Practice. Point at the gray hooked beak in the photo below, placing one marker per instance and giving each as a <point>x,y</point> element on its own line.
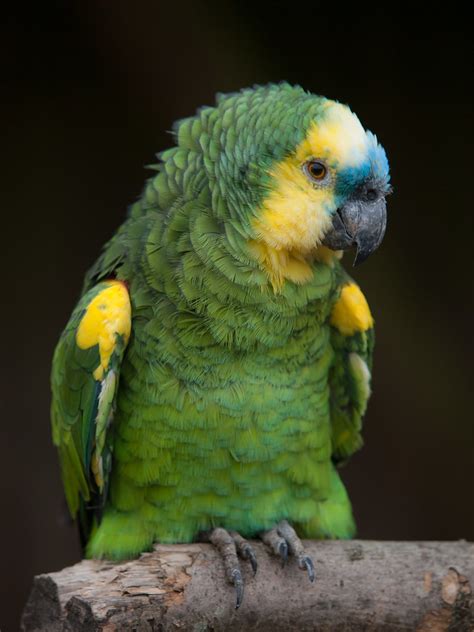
<point>358,223</point>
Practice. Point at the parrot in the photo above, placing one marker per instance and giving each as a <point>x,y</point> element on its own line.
<point>215,372</point>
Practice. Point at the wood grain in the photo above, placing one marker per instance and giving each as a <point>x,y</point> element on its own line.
<point>360,585</point>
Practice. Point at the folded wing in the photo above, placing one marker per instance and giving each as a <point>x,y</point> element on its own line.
<point>85,379</point>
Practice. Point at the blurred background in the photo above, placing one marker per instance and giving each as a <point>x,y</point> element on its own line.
<point>90,89</point>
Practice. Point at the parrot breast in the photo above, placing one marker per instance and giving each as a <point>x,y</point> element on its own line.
<point>235,435</point>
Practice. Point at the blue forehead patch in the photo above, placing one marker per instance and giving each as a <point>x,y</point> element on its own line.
<point>374,166</point>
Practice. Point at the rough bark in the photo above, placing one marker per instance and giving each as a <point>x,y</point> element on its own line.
<point>360,585</point>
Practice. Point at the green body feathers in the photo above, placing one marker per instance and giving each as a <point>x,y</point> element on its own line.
<point>234,402</point>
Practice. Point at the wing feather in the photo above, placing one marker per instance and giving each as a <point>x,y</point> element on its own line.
<point>85,379</point>
<point>352,339</point>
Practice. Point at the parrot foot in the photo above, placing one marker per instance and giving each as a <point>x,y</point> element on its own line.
<point>231,545</point>
<point>283,538</point>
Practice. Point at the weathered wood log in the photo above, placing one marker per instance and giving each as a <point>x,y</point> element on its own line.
<point>360,585</point>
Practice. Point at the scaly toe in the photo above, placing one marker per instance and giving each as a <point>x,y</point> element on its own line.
<point>227,547</point>
<point>245,550</point>
<point>277,543</point>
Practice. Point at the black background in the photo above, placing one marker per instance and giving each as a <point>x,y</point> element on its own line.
<point>90,89</point>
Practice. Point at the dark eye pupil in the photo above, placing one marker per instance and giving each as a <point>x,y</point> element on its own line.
<point>317,170</point>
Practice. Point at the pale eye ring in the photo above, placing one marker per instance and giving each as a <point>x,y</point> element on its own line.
<point>316,170</point>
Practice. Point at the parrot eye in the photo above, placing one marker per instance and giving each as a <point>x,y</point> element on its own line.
<point>316,170</point>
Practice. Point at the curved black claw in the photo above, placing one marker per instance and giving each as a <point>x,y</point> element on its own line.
<point>239,587</point>
<point>251,557</point>
<point>244,549</point>
<point>283,552</point>
<point>306,563</point>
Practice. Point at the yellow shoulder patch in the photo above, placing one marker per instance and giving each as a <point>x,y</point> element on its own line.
<point>351,313</point>
<point>108,314</point>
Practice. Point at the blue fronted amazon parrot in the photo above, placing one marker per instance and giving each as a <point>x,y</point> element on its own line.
<point>217,366</point>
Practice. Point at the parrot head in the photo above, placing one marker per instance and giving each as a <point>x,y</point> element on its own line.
<point>300,175</point>
<point>296,174</point>
<point>328,189</point>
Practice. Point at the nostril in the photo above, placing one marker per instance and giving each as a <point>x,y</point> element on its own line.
<point>371,194</point>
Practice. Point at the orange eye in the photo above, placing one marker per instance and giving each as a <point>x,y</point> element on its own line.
<point>316,169</point>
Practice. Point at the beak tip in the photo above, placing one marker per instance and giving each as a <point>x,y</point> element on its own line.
<point>359,259</point>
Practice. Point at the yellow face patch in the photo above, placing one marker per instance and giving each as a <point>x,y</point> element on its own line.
<point>107,315</point>
<point>351,313</point>
<point>293,215</point>
<point>297,213</point>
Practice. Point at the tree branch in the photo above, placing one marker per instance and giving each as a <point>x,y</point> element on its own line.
<point>360,585</point>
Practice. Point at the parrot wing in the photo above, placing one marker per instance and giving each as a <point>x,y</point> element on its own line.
<point>352,338</point>
<point>85,377</point>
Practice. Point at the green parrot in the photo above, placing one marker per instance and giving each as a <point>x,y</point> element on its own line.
<point>216,369</point>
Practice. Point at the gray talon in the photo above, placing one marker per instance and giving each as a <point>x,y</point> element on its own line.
<point>283,552</point>
<point>244,549</point>
<point>250,555</point>
<point>239,587</point>
<point>306,563</point>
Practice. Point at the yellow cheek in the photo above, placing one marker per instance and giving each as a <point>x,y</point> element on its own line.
<point>107,315</point>
<point>293,215</point>
<point>351,313</point>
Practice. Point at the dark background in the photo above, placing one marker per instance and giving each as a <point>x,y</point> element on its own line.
<point>90,89</point>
